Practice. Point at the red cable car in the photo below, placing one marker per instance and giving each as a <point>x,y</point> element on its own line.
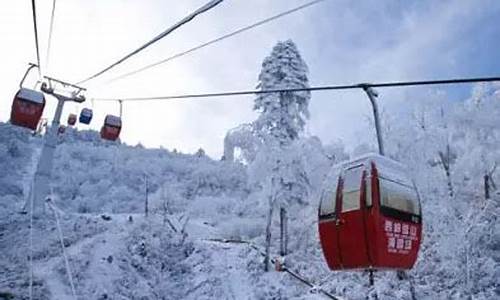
<point>27,108</point>
<point>372,219</point>
<point>71,119</point>
<point>111,128</point>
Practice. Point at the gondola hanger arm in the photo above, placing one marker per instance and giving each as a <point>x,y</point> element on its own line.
<point>31,66</point>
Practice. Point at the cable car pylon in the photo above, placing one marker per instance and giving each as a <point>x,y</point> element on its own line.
<point>41,181</point>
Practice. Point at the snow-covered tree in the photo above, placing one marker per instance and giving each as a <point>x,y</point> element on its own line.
<point>282,115</point>
<point>282,119</point>
<point>452,150</point>
<point>245,140</point>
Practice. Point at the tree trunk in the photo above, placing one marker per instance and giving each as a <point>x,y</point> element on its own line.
<point>283,232</point>
<point>402,275</point>
<point>146,199</point>
<point>486,186</point>
<point>445,162</point>
<point>268,233</point>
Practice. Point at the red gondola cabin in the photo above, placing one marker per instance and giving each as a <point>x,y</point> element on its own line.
<point>111,128</point>
<point>372,219</point>
<point>27,108</point>
<point>71,119</point>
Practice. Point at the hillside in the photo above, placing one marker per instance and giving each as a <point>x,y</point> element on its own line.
<point>99,190</point>
<point>116,252</point>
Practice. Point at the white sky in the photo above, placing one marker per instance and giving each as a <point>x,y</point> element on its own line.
<point>341,41</point>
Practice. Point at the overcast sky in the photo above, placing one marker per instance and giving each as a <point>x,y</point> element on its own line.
<point>341,41</point>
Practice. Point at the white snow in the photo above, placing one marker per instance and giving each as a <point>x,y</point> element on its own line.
<point>31,95</point>
<point>115,252</point>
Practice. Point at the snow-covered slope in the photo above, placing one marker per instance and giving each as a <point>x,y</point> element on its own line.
<point>115,252</point>
<point>122,254</point>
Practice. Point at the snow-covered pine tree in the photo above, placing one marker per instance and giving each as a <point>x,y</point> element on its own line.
<point>282,115</point>
<point>281,120</point>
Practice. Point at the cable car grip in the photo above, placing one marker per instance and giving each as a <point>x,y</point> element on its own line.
<point>372,95</point>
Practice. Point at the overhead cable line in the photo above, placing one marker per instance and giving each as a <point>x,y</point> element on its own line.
<point>52,17</point>
<point>30,291</point>
<point>61,239</point>
<point>190,17</point>
<point>285,269</point>
<point>309,89</point>
<point>226,36</point>
<point>33,9</point>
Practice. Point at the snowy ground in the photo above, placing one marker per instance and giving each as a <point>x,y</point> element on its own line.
<point>112,257</point>
<point>119,259</point>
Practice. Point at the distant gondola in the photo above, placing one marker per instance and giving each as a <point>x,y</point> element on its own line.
<point>86,116</point>
<point>111,128</point>
<point>71,119</point>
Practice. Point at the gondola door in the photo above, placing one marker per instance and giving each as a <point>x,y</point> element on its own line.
<point>328,226</point>
<point>351,225</point>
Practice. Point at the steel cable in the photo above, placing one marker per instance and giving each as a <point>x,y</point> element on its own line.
<point>226,36</point>
<point>190,17</point>
<point>309,89</point>
<point>35,27</point>
<point>49,43</point>
<point>61,240</point>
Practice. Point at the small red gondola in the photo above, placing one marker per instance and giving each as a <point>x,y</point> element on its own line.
<point>27,108</point>
<point>71,119</point>
<point>372,219</point>
<point>111,128</point>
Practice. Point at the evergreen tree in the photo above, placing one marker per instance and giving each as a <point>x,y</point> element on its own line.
<point>281,120</point>
<point>282,115</point>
